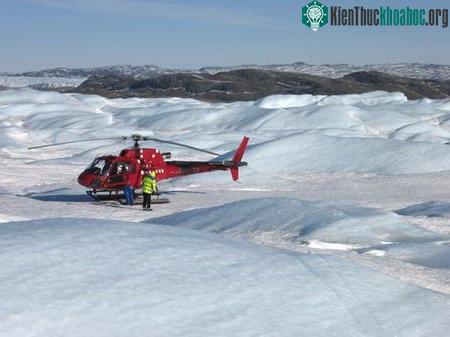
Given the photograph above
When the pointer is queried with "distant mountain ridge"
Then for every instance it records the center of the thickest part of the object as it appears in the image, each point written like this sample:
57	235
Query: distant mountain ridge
253	84
121	70
411	70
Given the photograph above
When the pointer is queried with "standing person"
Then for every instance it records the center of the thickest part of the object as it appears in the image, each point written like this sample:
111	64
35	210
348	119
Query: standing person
153	174
129	194
148	187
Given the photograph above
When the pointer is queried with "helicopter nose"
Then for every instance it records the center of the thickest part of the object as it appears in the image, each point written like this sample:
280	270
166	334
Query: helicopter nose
89	180
82	180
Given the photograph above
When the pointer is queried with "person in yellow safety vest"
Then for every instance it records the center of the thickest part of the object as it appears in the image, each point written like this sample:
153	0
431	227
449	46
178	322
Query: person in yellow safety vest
149	186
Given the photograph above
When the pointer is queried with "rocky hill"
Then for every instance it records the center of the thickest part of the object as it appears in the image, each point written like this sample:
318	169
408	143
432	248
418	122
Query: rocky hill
252	84
414	70
124	70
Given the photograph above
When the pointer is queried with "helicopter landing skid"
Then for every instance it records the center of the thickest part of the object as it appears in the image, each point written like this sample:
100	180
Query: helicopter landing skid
108	196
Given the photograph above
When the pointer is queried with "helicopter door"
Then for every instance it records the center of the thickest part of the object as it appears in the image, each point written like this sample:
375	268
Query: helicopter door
120	173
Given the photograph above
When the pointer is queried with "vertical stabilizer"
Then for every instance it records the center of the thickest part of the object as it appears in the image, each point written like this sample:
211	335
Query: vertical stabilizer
238	157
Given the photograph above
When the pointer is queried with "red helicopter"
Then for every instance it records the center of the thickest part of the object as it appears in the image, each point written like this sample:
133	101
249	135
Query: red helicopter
112	173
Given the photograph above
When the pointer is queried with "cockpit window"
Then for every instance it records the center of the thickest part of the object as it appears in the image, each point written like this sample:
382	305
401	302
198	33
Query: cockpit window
121	168
99	166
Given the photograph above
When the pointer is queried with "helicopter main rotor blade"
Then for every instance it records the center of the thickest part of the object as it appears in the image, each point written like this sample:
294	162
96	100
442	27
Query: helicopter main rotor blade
77	141
135	138
181	144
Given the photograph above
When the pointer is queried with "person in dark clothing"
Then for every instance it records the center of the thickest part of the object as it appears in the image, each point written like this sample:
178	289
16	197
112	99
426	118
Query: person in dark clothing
129	195
147	203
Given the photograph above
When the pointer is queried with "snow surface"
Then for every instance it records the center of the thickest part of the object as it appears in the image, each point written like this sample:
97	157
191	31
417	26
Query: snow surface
370	133
339	226
42	82
320	225
137	279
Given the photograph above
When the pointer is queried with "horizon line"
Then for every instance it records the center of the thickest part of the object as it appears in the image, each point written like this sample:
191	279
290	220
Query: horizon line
3	73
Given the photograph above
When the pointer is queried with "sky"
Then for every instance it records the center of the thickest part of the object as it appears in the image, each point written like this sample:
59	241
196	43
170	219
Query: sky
40	34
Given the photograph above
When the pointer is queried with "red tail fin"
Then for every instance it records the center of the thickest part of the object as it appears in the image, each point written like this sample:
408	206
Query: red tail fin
234	173
238	157
240	151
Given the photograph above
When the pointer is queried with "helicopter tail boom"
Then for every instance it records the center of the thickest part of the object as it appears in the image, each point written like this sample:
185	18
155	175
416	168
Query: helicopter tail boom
178	168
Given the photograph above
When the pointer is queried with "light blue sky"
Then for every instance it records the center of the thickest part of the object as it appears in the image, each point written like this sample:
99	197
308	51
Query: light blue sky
37	34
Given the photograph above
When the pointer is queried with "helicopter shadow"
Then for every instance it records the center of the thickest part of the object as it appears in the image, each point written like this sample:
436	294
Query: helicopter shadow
174	192
62	198
58	197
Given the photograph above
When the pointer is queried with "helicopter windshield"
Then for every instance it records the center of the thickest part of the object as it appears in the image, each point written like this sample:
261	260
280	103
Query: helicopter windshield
99	166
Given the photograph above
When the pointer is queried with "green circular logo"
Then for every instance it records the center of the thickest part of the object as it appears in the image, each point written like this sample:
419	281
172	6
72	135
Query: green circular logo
315	15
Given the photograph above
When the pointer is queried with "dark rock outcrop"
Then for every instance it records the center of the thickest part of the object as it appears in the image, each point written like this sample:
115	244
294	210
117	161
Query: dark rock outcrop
252	84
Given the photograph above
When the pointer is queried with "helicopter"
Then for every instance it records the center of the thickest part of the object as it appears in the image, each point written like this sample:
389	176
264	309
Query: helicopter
108	174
